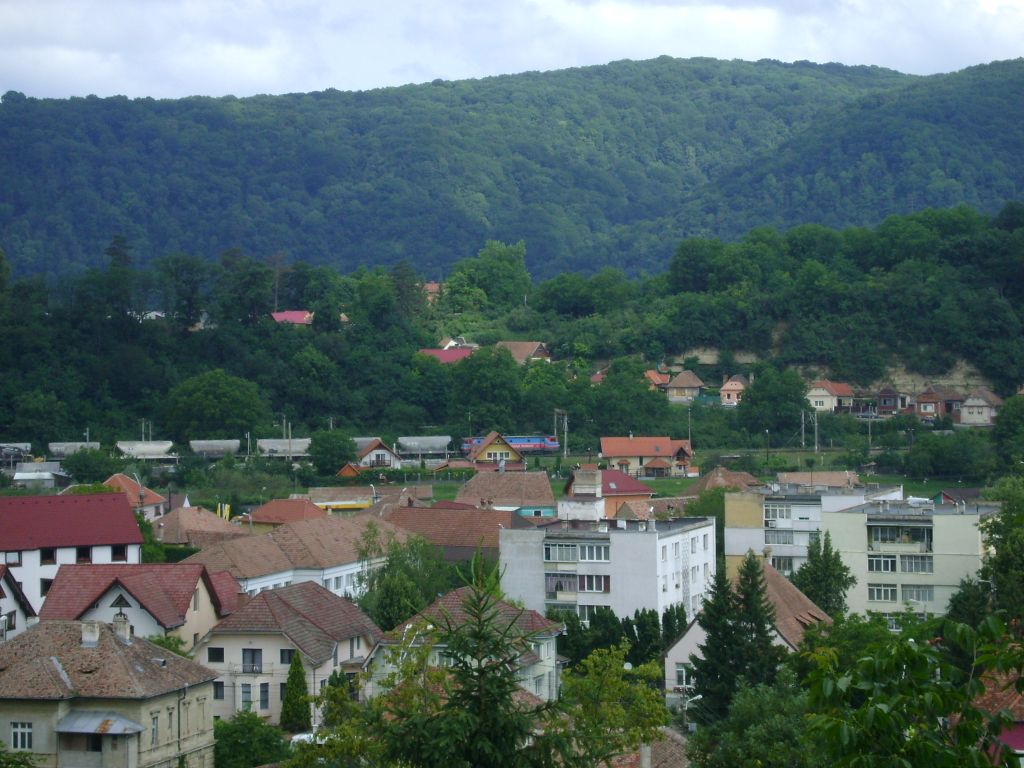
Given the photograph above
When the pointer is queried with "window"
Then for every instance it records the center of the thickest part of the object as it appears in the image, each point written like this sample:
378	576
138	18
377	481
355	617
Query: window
664	583
664	551
558	582
154	730
354	644
12	620
264	695
48	556
775	536
94	742
693	546
119	553
195	600
882	563
675	549
83	554
13	558
215	655
705	542
917	564
170	721
693	575
813	537
682	673
218	689
705	571
588	583
882	593
252	660
586	612
594	552
882	535
44	586
783	565
777	510
918	593
246	696
286	655
327	583
560	553
21	735
337	582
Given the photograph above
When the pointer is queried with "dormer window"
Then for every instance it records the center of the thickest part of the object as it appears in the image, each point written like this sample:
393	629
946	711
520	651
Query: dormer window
83	554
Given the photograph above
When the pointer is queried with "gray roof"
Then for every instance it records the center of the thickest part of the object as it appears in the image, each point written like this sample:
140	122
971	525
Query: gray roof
424	443
98	722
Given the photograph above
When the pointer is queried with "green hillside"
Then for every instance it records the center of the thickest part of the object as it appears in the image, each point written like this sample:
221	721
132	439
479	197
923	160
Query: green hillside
589	166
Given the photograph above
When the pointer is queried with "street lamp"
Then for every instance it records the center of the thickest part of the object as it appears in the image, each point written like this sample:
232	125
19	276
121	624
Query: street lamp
766	444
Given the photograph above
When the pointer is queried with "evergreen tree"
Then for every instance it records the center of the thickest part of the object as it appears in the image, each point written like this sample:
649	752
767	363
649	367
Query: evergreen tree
825	578
673	623
295	706
714	670
757	655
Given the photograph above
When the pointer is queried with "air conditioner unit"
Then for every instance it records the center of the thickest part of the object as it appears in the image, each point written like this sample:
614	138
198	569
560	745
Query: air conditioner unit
770	523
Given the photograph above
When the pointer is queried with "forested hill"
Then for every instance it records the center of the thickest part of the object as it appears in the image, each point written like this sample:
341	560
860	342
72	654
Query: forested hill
600	165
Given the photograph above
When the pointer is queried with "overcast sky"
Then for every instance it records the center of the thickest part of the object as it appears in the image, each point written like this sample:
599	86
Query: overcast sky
173	48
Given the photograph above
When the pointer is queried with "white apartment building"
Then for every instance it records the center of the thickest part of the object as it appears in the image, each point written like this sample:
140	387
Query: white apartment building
907	555
624	565
781	521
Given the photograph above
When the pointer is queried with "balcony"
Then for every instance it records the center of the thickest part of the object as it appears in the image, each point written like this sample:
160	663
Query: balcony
255	668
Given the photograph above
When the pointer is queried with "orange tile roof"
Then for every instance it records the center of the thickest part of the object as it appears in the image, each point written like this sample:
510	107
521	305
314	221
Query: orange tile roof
122	482
195	526
463	526
280	511
613	447
508	489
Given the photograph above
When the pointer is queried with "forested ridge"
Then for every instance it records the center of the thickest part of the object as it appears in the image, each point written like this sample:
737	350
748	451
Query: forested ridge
119	343
593	166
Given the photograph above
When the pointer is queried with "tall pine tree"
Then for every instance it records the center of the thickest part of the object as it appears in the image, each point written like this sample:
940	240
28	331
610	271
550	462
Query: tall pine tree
295	706
757	656
825	578
713	669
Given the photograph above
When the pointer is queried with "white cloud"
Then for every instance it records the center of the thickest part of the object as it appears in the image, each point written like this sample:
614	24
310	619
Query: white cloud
169	48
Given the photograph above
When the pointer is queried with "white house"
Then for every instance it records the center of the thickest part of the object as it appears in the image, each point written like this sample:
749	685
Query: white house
38	534
324	550
252	649
624	565
15	609
538	666
377	455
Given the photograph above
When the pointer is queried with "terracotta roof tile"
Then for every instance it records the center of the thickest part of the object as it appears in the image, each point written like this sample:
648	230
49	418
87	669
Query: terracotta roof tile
685	379
279	511
313	618
720	477
446	356
33	522
122	482
508	489
794	611
613	447
196	527
463	526
523	351
616	483
49	661
451	606
163	589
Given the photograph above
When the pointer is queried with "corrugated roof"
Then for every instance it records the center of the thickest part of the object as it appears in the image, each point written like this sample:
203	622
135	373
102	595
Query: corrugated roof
33	522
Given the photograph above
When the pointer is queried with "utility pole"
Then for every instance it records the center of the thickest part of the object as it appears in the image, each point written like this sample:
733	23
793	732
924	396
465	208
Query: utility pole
802	441
815	432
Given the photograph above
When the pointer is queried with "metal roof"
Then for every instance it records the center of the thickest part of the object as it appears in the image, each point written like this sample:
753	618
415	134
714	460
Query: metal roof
424	443
97	722
148	449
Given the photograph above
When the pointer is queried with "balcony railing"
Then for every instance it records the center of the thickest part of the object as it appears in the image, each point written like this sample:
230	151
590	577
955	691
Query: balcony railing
254	668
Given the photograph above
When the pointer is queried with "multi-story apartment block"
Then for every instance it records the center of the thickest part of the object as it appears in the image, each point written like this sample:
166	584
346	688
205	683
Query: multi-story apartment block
907	555
625	565
781	521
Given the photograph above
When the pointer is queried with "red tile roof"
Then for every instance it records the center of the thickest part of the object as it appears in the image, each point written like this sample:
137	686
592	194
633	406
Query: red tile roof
686	380
720	477
313	618
293	317
616	483
280	511
613	447
122	482
508	489
656	378
33	522
375	445
196	527
834	388
464	526
449	355
163	589
524	351
794	611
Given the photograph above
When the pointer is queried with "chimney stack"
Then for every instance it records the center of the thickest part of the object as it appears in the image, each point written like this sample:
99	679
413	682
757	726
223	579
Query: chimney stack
90	634
121	627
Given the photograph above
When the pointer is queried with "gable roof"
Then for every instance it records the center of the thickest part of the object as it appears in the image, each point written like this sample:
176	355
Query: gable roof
834	388
936	392
33	522
612	447
10	587
656	378
310	616
376	444
523	351
452	355
736	381
49	661
634	510
508	489
616	483
195	526
685	380
986	396
130	488
794	611
164	590
322	543
489	439
280	511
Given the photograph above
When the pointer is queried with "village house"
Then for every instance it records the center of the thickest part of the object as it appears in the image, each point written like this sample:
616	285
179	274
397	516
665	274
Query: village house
647	456
194	527
684	387
143	500
538	666
612	490
980	408
76	694
937	402
377	455
280	511
459	530
179	600
38	534
251	650
827	396
732	389
524	352
508	491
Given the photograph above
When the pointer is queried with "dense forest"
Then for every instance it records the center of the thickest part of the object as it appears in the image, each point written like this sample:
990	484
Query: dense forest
590	167
118	344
